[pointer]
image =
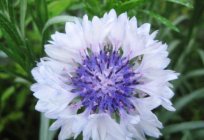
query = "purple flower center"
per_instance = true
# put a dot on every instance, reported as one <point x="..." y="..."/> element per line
<point x="105" y="81"/>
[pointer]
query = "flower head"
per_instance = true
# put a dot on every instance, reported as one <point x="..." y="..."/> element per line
<point x="103" y="78"/>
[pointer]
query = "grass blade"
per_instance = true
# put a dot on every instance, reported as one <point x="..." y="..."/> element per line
<point x="127" y="5"/>
<point x="191" y="74"/>
<point x="180" y="65"/>
<point x="23" y="8"/>
<point x="183" y="126"/>
<point x="10" y="28"/>
<point x="198" y="94"/>
<point x="162" y="20"/>
<point x="182" y="102"/>
<point x="201" y="53"/>
<point x="186" y="3"/>
<point x="57" y="7"/>
<point x="58" y="19"/>
<point x="42" y="13"/>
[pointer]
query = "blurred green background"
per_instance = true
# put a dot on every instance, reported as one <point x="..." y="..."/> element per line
<point x="25" y="25"/>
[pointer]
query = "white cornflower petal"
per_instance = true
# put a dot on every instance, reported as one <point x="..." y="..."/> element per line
<point x="102" y="78"/>
<point x="133" y="24"/>
<point x="153" y="35"/>
<point x="59" y="54"/>
<point x="102" y="127"/>
<point x="144" y="29"/>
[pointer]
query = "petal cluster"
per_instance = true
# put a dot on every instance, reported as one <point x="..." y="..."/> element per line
<point x="66" y="52"/>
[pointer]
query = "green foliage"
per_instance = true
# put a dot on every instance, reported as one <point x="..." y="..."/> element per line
<point x="58" y="19"/>
<point x="161" y="19"/>
<point x="26" y="25"/>
<point x="186" y="3"/>
<point x="183" y="126"/>
<point x="58" y="7"/>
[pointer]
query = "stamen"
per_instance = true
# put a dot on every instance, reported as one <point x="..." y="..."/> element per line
<point x="89" y="72"/>
<point x="110" y="74"/>
<point x="123" y="66"/>
<point x="105" y="81"/>
<point x="98" y="78"/>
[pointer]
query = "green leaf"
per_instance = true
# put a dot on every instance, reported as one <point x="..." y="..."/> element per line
<point x="10" y="28"/>
<point x="23" y="8"/>
<point x="2" y="5"/>
<point x="11" y="13"/>
<point x="128" y="5"/>
<point x="183" y="126"/>
<point x="58" y="19"/>
<point x="194" y="73"/>
<point x="12" y="116"/>
<point x="180" y="65"/>
<point x="182" y="102"/>
<point x="187" y="136"/>
<point x="21" y="98"/>
<point x="201" y="53"/>
<point x="15" y="115"/>
<point x="186" y="3"/>
<point x="16" y="46"/>
<point x="57" y="7"/>
<point x="162" y="20"/>
<point x="42" y="13"/>
<point x="173" y="45"/>
<point x="191" y="74"/>
<point x="14" y="55"/>
<point x="199" y="134"/>
<point x="6" y="94"/>
<point x="89" y="7"/>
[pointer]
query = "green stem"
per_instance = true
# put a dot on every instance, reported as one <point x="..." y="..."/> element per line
<point x="44" y="126"/>
<point x="44" y="133"/>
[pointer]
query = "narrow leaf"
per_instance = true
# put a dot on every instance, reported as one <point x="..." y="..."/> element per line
<point x="163" y="20"/>
<point x="198" y="94"/>
<point x="180" y="65"/>
<point x="57" y="7"/>
<point x="182" y="102"/>
<point x="6" y="94"/>
<point x="23" y="7"/>
<point x="183" y="126"/>
<point x="191" y="74"/>
<point x="12" y="54"/>
<point x="3" y="5"/>
<point x="186" y="3"/>
<point x="127" y="5"/>
<point x="58" y="19"/>
<point x="201" y="53"/>
<point x="42" y="12"/>
<point x="10" y="28"/>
